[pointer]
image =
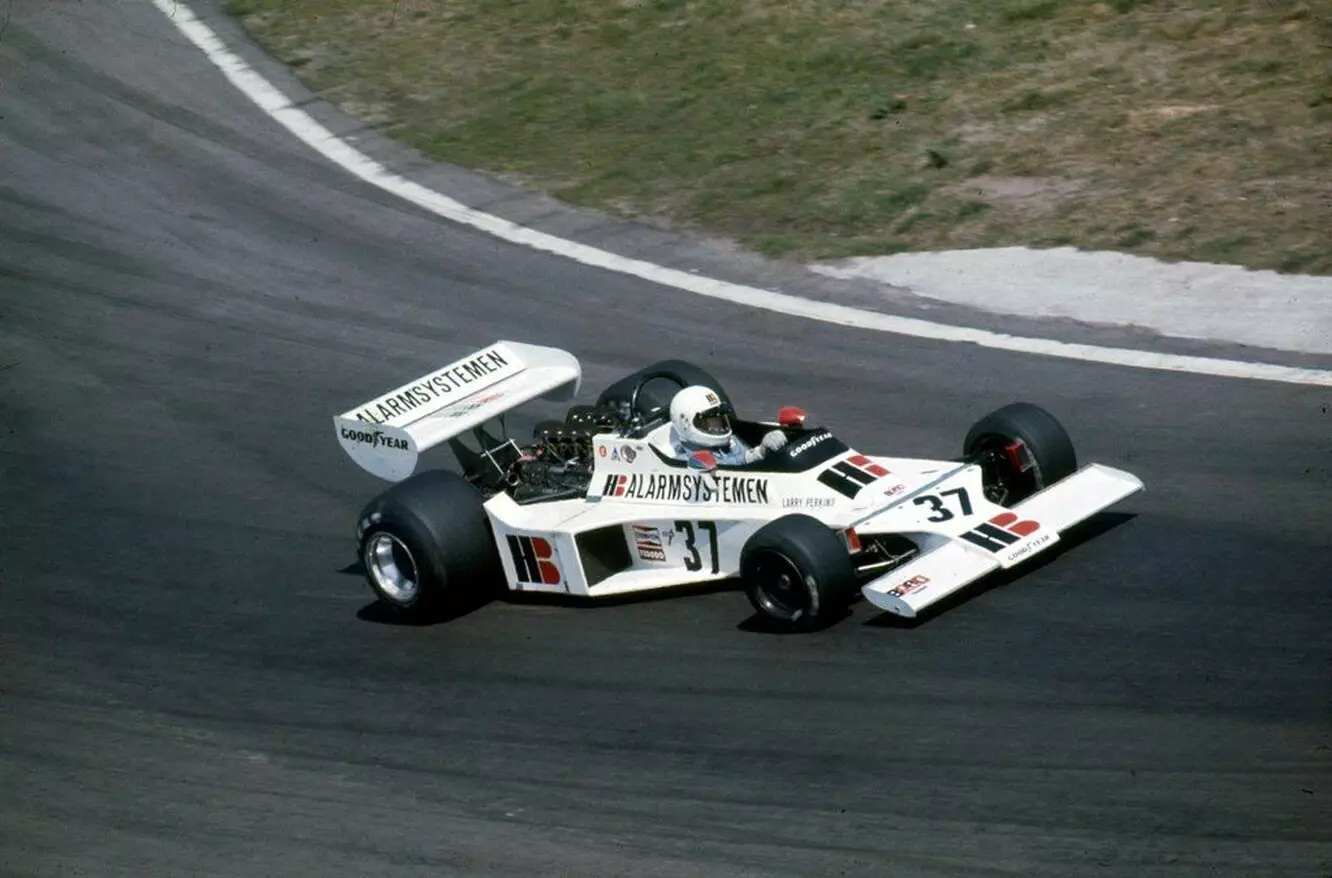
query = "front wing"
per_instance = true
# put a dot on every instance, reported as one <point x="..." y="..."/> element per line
<point x="1001" y="541"/>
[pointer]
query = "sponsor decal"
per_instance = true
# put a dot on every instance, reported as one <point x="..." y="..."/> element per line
<point x="1010" y="537"/>
<point x="808" y="502"/>
<point x="433" y="387"/>
<point x="601" y="450"/>
<point x="628" y="453"/>
<point x="915" y="583"/>
<point x="850" y="476"/>
<point x="1003" y="530"/>
<point x="374" y="438"/>
<point x="1000" y="532"/>
<point x="894" y="490"/>
<point x="712" y="398"/>
<point x="1029" y="547"/>
<point x="471" y="405"/>
<point x="534" y="559"/>
<point x="648" y="542"/>
<point x="689" y="488"/>
<point x="801" y="447"/>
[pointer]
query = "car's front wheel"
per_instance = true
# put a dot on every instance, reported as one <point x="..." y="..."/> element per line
<point x="797" y="573"/>
<point x="1022" y="449"/>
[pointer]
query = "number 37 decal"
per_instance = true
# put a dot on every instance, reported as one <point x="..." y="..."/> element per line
<point x="940" y="508"/>
<point x="693" y="560"/>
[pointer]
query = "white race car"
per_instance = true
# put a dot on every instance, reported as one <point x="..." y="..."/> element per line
<point x="599" y="503"/>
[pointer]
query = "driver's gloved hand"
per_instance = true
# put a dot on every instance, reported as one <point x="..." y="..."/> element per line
<point x="773" y="441"/>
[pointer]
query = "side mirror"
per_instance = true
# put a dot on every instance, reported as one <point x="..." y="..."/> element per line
<point x="791" y="416"/>
<point x="703" y="460"/>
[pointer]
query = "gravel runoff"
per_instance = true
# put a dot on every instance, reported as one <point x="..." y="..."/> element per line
<point x="1196" y="300"/>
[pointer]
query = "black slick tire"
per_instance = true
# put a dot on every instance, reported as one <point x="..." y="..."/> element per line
<point x="797" y="573"/>
<point x="657" y="393"/>
<point x="1046" y="446"/>
<point x="426" y="547"/>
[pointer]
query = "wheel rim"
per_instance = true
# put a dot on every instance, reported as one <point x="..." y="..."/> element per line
<point x="779" y="587"/>
<point x="392" y="568"/>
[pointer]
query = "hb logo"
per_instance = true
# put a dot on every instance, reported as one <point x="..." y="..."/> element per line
<point x="851" y="475"/>
<point x="533" y="560"/>
<point x="1000" y="532"/>
<point x="615" y="485"/>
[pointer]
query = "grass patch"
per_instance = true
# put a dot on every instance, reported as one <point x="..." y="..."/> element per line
<point x="1038" y="11"/>
<point x="815" y="128"/>
<point x="1034" y="100"/>
<point x="1132" y="238"/>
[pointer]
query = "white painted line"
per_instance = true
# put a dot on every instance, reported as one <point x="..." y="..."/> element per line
<point x="317" y="137"/>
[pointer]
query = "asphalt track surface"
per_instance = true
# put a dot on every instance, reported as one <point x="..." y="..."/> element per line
<point x="192" y="682"/>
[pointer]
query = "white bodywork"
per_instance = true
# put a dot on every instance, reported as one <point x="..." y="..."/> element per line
<point x="646" y="523"/>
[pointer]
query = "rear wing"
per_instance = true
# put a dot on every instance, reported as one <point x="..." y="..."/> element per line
<point x="385" y="436"/>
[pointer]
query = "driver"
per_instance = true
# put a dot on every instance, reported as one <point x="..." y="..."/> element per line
<point x="700" y="422"/>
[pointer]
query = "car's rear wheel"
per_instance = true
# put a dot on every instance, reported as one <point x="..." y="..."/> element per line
<point x="655" y="396"/>
<point x="1022" y="449"/>
<point x="426" y="546"/>
<point x="797" y="573"/>
<point x="391" y="567"/>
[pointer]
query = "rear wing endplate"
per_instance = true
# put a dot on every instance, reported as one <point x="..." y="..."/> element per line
<point x="386" y="435"/>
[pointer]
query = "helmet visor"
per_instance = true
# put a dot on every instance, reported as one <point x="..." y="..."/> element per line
<point x="713" y="421"/>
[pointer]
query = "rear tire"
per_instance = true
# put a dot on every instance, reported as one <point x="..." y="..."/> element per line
<point x="1046" y="451"/>
<point x="657" y="393"/>
<point x="427" y="548"/>
<point x="797" y="573"/>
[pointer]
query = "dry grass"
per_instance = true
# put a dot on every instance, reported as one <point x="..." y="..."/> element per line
<point x="1178" y="128"/>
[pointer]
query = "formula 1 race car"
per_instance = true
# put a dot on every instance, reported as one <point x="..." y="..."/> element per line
<point x="599" y="503"/>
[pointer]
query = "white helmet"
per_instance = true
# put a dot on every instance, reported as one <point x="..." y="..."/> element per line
<point x="700" y="417"/>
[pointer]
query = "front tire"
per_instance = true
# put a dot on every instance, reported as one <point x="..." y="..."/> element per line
<point x="1023" y="449"/>
<point x="426" y="546"/>
<point x="797" y="573"/>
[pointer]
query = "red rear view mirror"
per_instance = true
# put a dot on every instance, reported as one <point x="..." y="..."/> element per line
<point x="791" y="416"/>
